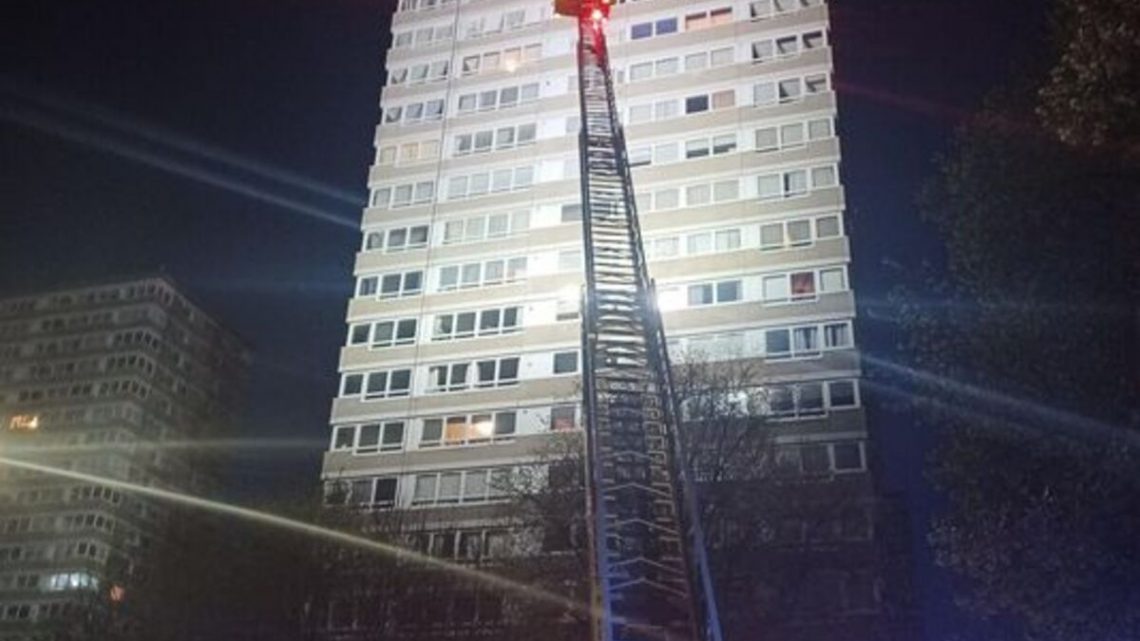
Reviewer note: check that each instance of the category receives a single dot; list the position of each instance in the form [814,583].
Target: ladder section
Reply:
[644,587]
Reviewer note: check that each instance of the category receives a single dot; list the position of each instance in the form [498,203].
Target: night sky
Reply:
[278,100]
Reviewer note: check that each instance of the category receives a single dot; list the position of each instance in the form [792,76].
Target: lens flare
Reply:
[167,138]
[107,144]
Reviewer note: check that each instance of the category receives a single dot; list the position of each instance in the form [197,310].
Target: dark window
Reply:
[508,369]
[504,423]
[413,281]
[842,393]
[777,341]
[385,494]
[666,25]
[359,334]
[728,291]
[369,437]
[489,320]
[696,104]
[432,430]
[406,331]
[344,436]
[814,459]
[390,285]
[811,398]
[848,456]
[377,383]
[642,30]
[401,380]
[565,362]
[353,384]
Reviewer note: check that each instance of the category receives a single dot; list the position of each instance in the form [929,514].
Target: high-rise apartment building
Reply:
[462,349]
[117,380]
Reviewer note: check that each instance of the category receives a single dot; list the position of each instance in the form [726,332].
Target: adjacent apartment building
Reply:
[116,380]
[462,347]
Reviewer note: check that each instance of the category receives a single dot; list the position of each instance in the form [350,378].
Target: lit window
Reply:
[562,418]
[24,423]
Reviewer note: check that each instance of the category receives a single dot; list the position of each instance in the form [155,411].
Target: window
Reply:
[468,429]
[482,183]
[722,57]
[764,93]
[714,293]
[366,286]
[384,333]
[696,104]
[723,144]
[842,394]
[393,333]
[641,31]
[728,291]
[818,129]
[487,322]
[724,99]
[814,459]
[400,284]
[642,71]
[570,260]
[640,156]
[837,335]
[725,190]
[720,16]
[699,243]
[448,378]
[566,309]
[697,195]
[697,21]
[665,153]
[804,400]
[371,438]
[664,247]
[566,362]
[763,51]
[388,384]
[494,139]
[484,274]
[697,148]
[477,228]
[398,239]
[470,486]
[823,177]
[376,385]
[669,198]
[563,418]
[571,212]
[385,492]
[727,240]
[487,373]
[351,384]
[848,456]
[344,438]
[832,280]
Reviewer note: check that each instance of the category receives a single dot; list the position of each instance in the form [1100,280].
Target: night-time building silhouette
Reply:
[120,380]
